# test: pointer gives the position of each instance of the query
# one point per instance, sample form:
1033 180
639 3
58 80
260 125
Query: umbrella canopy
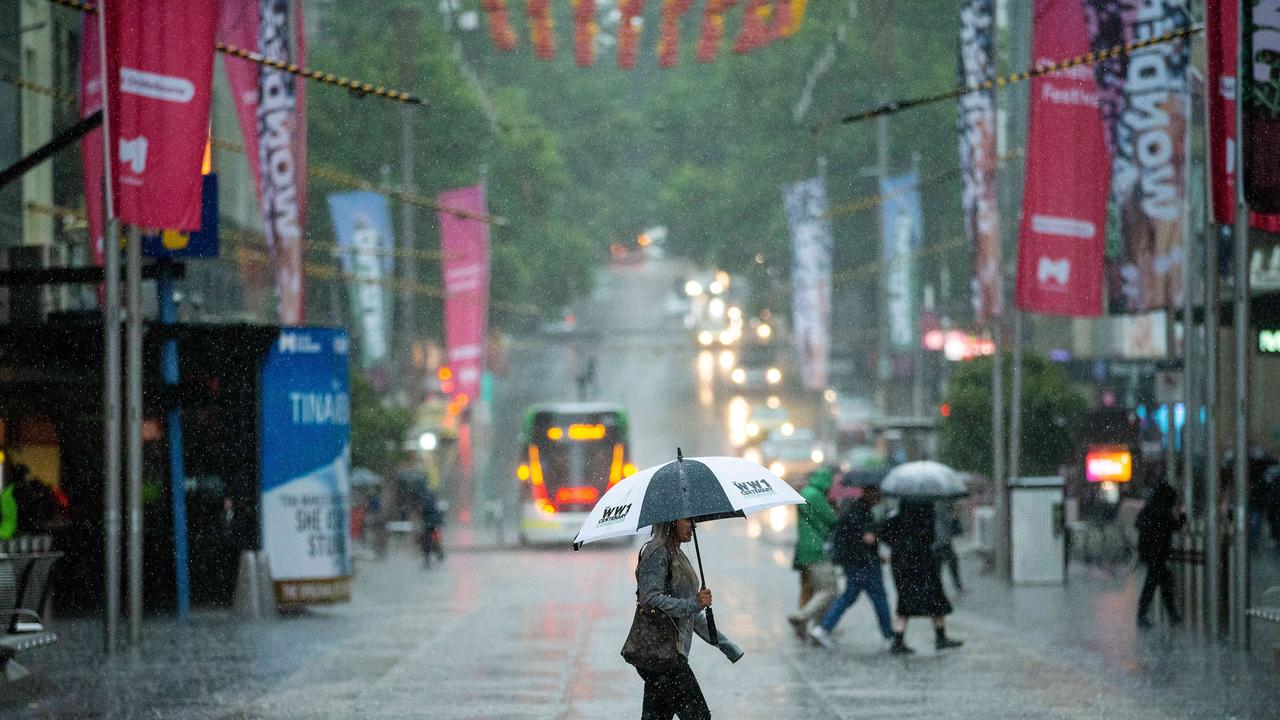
705 488
923 480
364 477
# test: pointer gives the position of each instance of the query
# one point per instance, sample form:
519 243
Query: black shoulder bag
654 640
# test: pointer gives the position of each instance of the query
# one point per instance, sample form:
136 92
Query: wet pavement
497 632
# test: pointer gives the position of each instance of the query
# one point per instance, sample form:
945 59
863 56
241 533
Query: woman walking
916 574
666 582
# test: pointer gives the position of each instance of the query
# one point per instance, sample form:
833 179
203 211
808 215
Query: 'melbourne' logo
612 515
754 487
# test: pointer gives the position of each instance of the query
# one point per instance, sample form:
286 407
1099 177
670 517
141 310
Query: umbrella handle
711 618
711 628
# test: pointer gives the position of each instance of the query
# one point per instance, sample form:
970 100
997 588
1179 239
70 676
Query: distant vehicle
675 306
561 326
571 453
758 368
792 456
762 420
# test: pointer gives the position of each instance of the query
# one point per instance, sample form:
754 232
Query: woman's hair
665 532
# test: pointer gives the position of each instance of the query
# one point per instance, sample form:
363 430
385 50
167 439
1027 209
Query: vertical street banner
1261 98
630 23
464 243
806 208
501 33
1144 101
159 61
1064 204
271 107
977 127
91 146
901 236
305 465
362 223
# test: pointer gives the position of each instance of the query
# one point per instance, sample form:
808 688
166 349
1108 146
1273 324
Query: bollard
254 596
266 588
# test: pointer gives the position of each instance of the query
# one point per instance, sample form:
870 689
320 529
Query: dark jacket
1156 523
679 600
916 574
847 545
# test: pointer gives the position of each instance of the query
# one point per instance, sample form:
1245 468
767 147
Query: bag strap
666 587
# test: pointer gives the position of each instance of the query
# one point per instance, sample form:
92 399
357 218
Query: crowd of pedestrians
918 537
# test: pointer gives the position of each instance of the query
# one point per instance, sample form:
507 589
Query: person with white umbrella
672 602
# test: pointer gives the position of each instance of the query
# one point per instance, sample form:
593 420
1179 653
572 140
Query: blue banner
900 226
362 222
305 465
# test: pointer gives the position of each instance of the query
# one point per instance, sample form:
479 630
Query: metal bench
24 591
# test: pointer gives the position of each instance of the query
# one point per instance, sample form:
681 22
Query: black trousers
1158 575
671 693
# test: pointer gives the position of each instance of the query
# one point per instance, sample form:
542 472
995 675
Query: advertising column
305 466
806 206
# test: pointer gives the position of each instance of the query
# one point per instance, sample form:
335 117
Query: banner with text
1262 106
902 235
1064 205
305 465
806 207
271 106
977 125
464 242
1144 102
159 60
362 223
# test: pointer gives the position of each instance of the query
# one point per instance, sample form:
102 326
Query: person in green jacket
818 581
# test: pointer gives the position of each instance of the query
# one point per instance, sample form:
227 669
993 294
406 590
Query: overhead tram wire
896 106
355 87
322 172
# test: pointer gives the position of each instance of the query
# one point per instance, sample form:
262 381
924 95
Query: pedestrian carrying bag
654 640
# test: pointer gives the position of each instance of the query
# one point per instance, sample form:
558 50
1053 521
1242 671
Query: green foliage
1051 412
377 430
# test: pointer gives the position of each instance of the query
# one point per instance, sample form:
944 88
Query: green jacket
817 517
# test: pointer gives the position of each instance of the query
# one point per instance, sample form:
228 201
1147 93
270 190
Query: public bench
24 590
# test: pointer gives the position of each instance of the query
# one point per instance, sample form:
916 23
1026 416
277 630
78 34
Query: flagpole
110 372
1240 324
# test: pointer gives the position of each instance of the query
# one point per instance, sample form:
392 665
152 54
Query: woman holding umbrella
672 601
666 581
910 535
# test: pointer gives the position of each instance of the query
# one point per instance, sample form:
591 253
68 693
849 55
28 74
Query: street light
763 331
427 441
693 288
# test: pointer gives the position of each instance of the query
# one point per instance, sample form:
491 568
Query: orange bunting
713 29
500 30
541 28
669 37
584 32
790 17
632 12
757 30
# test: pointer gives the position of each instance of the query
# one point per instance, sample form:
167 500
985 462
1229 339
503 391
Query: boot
899 646
942 642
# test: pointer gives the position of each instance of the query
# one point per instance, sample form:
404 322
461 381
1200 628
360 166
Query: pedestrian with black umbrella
672 602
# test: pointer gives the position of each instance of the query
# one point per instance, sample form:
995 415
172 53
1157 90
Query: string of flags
763 22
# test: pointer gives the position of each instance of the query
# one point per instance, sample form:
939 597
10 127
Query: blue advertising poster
306 457
202 243
362 222
900 227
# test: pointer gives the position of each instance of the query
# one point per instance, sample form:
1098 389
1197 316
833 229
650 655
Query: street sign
173 244
1169 387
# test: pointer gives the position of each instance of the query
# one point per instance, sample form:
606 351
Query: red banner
584 32
712 29
91 145
159 76
1064 206
669 31
1223 36
500 30
464 242
756 30
271 106
541 28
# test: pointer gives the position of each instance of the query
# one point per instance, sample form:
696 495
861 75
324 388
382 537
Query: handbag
653 642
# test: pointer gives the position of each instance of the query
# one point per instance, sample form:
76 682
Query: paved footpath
535 634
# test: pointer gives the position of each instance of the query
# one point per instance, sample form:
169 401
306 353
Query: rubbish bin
1036 524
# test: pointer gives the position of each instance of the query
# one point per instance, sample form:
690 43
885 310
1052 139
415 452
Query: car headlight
774 376
817 456
777 468
705 338
738 375
752 429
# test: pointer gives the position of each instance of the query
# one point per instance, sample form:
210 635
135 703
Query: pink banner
1223 36
271 107
159 76
1064 206
91 145
464 243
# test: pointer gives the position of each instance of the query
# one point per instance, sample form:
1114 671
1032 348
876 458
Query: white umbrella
923 480
705 488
